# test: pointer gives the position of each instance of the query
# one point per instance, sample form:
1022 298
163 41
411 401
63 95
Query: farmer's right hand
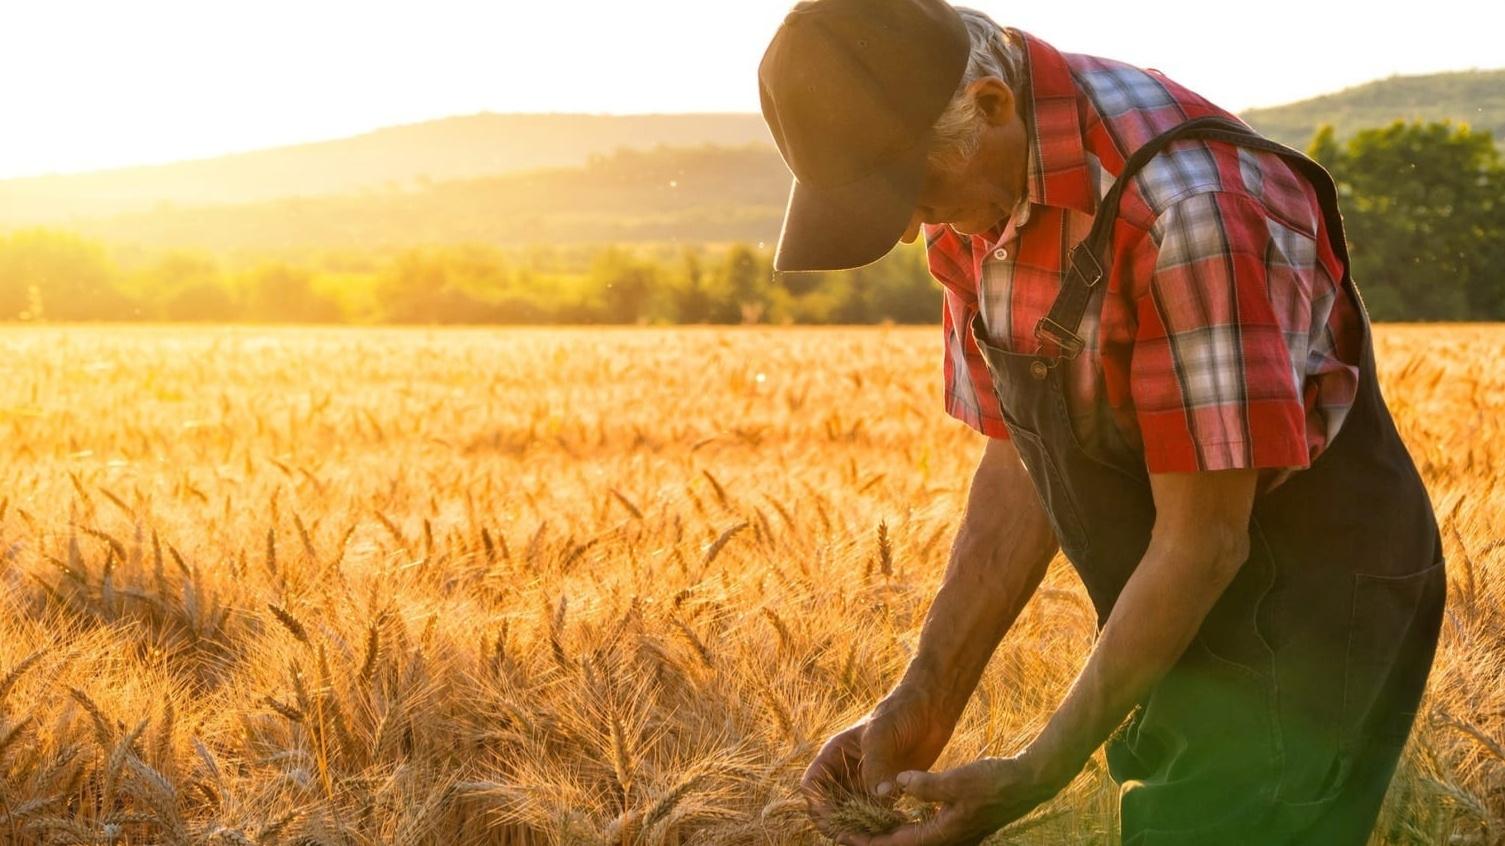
906 731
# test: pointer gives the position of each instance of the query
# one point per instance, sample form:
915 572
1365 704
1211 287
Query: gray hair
956 133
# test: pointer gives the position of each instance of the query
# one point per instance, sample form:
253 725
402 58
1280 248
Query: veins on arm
997 560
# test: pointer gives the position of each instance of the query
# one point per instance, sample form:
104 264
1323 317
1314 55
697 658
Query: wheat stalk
289 622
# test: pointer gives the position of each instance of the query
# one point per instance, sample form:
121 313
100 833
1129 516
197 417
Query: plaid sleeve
1211 377
969 387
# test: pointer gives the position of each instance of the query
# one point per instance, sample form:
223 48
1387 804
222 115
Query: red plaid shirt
1222 337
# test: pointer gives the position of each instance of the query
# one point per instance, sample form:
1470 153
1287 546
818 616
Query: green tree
741 286
203 300
279 292
185 285
1424 209
523 300
422 286
689 294
60 274
897 287
624 284
901 288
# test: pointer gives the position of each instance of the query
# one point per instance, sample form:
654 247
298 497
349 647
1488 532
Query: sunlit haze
92 84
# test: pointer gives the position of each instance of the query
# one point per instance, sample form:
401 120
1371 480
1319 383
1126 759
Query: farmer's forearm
999 556
1187 566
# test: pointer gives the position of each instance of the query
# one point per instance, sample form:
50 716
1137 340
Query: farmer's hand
906 731
976 800
1001 551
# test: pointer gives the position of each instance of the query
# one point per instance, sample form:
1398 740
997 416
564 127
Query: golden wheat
365 586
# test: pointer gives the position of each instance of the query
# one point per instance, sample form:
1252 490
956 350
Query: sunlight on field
561 586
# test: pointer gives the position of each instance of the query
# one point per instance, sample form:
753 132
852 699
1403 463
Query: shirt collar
1058 173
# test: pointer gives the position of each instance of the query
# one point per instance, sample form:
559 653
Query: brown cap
850 90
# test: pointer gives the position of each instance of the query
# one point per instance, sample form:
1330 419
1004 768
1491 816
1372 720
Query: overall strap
1084 267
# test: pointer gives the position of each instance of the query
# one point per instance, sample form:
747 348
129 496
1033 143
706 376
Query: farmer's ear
994 99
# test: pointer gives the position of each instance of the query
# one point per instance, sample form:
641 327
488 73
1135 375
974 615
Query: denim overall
1284 720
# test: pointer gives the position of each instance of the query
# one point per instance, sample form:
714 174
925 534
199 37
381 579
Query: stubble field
359 586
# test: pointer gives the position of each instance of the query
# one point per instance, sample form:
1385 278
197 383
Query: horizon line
349 135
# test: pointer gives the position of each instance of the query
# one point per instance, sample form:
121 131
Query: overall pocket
1383 672
1392 629
1054 493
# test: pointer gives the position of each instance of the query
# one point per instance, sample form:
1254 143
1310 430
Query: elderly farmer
1148 312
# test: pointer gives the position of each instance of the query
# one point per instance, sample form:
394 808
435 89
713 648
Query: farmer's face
988 186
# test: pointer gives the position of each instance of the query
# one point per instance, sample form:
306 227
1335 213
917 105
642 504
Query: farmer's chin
977 225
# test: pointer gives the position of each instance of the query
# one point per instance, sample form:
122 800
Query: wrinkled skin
985 190
975 800
903 732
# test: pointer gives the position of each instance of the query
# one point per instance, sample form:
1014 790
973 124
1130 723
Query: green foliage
433 286
627 285
188 287
49 275
52 275
279 292
741 291
688 290
1424 208
896 288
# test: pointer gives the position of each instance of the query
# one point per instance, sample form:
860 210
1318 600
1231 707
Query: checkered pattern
1222 338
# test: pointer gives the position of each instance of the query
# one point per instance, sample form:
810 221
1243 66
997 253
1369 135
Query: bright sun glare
96 84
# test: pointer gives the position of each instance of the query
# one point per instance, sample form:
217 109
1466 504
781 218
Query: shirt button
1038 369
1000 254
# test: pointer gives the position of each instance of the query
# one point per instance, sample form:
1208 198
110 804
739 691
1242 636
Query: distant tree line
1424 207
49 275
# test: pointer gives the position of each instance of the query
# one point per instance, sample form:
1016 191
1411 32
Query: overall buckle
1070 342
1085 264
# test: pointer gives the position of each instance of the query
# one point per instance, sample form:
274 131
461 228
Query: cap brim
853 224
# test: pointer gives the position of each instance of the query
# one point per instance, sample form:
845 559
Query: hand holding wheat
856 767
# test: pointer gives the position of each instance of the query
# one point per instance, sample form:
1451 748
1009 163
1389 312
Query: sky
91 84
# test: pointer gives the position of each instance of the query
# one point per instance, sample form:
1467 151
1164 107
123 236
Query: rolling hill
459 147
1473 97
706 193
507 179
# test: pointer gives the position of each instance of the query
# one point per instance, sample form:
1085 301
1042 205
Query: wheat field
360 586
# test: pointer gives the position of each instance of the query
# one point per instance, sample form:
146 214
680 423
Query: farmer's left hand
976 800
